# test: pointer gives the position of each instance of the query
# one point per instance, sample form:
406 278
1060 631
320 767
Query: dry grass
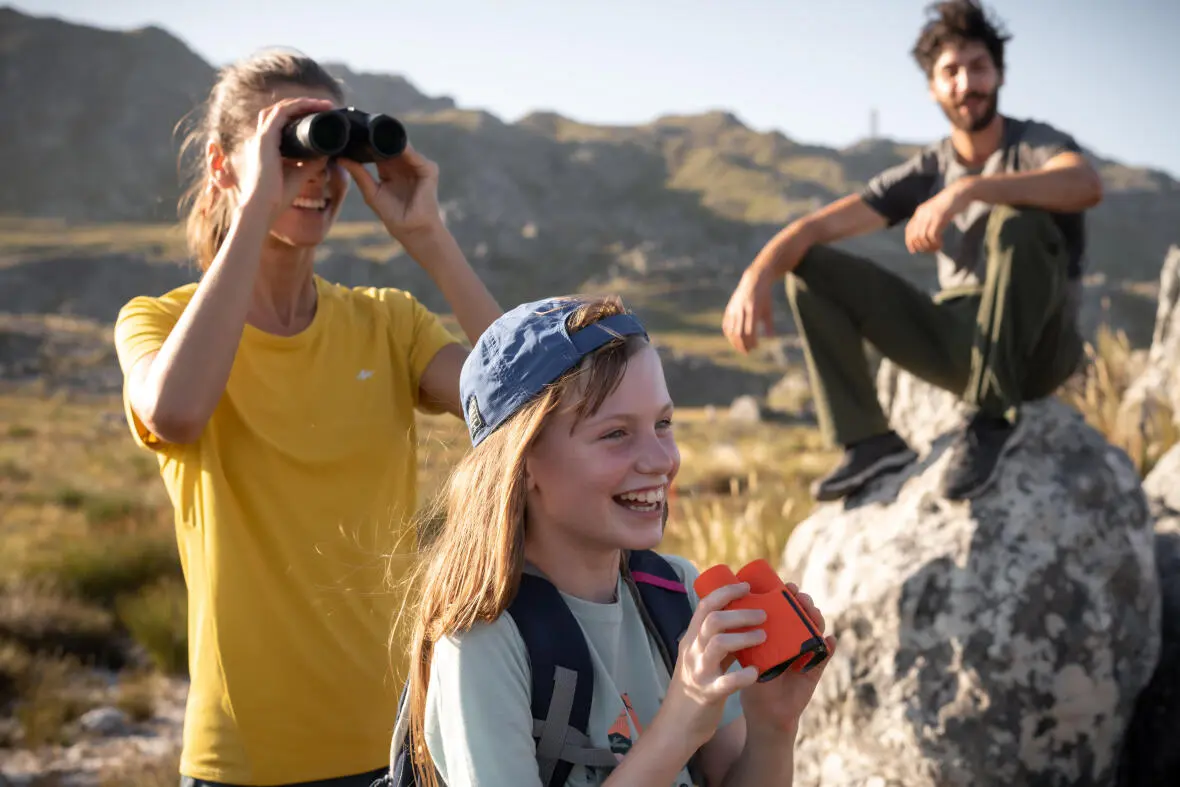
1099 393
89 562
742 488
153 616
55 692
136 695
28 239
162 773
90 565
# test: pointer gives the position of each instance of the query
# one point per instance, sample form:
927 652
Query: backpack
562 672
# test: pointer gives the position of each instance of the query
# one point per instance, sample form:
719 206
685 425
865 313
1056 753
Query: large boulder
1150 756
995 642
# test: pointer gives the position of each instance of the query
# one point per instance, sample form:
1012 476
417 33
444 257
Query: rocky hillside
669 211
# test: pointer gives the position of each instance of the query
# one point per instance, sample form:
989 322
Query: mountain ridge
541 204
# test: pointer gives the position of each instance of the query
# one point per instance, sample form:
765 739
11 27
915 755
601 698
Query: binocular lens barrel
318 134
348 133
387 137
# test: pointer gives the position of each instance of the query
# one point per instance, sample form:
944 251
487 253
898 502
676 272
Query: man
1000 201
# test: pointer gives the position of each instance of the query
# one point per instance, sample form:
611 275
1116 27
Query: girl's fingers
714 602
722 645
726 619
737 680
808 604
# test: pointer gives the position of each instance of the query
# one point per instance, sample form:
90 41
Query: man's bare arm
1066 183
847 217
749 307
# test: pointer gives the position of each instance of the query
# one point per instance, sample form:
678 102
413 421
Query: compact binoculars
793 641
345 133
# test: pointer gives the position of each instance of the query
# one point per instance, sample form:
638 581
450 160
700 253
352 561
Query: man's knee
796 280
821 264
818 256
1010 226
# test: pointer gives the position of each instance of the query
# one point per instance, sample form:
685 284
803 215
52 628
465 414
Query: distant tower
873 123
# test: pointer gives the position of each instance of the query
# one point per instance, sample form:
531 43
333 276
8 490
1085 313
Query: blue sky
1109 75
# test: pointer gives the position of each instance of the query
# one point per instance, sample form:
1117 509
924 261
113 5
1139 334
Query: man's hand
930 220
749 311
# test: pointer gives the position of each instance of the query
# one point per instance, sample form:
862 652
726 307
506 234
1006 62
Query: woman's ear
220 167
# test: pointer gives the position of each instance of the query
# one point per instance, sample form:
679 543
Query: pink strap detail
660 582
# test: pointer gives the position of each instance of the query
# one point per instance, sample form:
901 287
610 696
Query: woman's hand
404 195
264 177
773 708
702 683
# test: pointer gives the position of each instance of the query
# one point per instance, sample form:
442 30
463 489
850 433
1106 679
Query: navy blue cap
523 351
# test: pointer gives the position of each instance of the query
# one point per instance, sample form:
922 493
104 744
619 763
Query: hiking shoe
863 461
976 453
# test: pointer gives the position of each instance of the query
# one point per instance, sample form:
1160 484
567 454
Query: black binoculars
345 133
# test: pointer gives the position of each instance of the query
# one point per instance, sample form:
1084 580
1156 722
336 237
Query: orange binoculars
793 641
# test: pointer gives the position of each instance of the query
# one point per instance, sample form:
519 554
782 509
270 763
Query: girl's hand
773 708
264 176
404 195
696 696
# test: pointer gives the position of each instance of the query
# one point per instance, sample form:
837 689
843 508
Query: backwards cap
522 352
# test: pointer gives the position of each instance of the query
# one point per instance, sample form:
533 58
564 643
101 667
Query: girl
281 409
573 455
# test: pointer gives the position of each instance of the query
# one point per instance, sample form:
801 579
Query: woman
281 409
573 456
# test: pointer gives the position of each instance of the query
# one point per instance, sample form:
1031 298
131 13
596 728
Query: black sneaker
976 454
864 461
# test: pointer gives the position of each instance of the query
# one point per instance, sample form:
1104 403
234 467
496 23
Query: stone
745 410
104 721
994 642
1150 755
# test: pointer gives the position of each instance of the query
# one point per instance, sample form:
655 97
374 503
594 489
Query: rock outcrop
1162 486
998 642
1156 392
1151 756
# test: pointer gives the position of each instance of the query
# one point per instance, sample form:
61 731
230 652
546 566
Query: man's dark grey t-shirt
898 191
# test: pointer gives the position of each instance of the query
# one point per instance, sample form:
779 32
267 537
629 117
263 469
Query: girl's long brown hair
226 117
470 570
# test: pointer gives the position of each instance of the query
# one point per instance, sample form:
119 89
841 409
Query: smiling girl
573 456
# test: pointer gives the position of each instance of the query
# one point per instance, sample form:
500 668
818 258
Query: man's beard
970 123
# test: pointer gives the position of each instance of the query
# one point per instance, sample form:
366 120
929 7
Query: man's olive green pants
1011 340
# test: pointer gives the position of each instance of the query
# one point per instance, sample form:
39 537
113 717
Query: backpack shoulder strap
562 676
663 600
403 771
663 604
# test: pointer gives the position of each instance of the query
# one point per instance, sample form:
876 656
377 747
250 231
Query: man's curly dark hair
957 22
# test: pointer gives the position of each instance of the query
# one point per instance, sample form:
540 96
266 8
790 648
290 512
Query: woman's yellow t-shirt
287 508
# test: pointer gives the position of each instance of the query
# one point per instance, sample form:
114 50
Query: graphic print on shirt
620 734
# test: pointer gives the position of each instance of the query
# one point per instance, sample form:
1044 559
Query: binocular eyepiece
344 133
793 641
